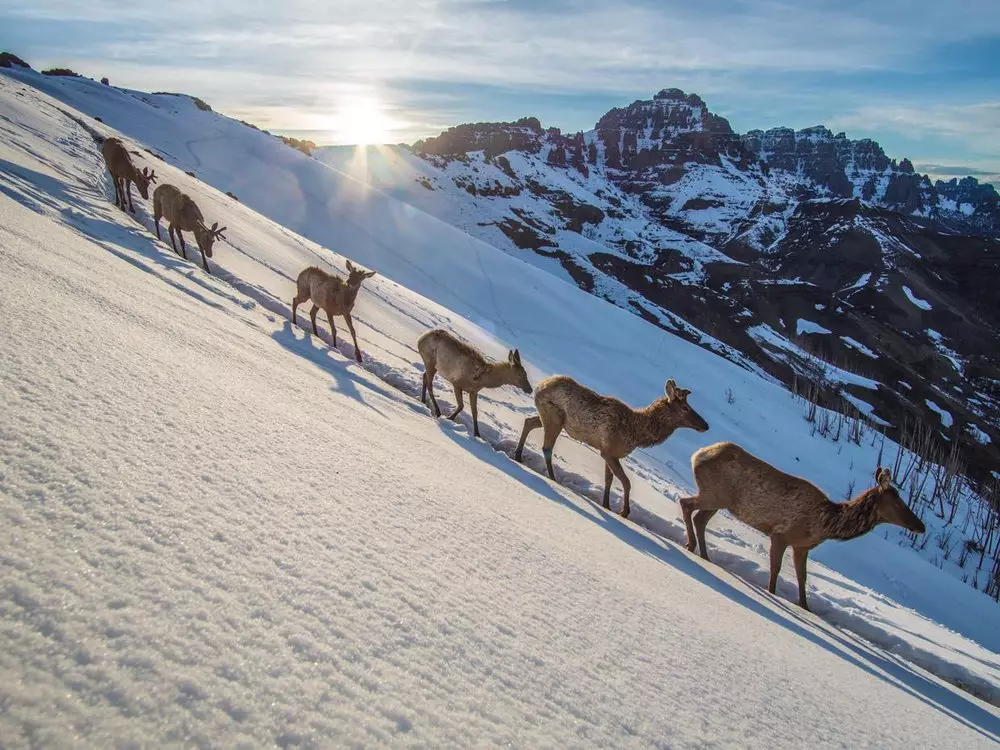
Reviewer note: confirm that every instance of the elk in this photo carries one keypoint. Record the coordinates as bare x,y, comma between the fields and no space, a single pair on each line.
791,511
183,214
124,173
611,426
333,294
467,370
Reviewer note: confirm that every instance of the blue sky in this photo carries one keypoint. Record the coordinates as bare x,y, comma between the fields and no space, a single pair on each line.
921,77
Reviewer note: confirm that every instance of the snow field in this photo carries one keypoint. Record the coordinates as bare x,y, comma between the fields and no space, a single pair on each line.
261,263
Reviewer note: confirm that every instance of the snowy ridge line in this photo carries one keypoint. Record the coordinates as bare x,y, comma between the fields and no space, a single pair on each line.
836,611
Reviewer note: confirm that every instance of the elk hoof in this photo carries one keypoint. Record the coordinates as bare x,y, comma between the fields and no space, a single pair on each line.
625,511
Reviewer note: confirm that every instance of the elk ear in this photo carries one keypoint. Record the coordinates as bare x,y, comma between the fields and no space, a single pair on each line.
670,389
517,357
510,356
215,226
350,266
370,274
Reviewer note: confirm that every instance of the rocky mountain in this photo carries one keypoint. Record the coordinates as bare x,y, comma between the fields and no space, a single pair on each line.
804,255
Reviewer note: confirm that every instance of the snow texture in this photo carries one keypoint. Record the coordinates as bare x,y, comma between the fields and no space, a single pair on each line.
946,419
917,302
217,530
808,326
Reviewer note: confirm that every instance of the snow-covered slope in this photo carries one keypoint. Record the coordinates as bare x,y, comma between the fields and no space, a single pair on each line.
216,528
663,210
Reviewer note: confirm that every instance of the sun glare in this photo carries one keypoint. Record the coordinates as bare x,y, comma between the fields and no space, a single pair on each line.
362,122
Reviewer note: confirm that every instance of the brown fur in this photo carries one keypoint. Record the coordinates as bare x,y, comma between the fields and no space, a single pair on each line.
611,426
792,511
467,370
183,214
124,173
332,294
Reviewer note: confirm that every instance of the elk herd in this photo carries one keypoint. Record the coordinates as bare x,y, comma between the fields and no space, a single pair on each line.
791,511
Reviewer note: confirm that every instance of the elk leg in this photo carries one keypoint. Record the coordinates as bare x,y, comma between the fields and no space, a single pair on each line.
333,328
800,555
128,192
354,336
204,261
120,191
461,404
688,507
295,306
616,467
474,405
551,429
608,479
180,236
701,519
530,423
778,547
429,375
312,317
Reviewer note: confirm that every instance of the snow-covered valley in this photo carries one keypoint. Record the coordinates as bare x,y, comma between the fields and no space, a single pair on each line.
218,530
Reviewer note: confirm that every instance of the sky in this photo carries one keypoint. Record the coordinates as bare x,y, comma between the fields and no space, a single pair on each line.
920,76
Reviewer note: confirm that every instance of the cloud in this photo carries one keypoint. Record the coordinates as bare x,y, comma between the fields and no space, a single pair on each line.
977,123
431,62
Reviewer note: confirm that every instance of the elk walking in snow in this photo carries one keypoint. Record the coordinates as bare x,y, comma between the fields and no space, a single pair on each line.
332,294
792,511
183,214
611,426
124,173
467,370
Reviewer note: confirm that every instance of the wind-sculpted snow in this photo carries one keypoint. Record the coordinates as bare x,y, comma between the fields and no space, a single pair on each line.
217,530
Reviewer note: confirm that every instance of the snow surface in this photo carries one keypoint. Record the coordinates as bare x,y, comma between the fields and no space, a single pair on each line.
855,344
808,326
216,529
977,434
917,302
946,419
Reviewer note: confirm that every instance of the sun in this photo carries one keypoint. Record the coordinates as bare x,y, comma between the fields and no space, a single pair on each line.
362,122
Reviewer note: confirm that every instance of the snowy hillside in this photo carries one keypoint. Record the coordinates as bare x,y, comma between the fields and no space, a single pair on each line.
665,211
217,529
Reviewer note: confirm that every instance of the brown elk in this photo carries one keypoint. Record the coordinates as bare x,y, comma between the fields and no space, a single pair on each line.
792,511
332,294
611,426
467,370
124,173
183,214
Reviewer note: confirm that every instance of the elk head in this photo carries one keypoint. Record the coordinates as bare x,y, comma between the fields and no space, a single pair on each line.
143,180
206,237
684,415
891,507
520,376
356,276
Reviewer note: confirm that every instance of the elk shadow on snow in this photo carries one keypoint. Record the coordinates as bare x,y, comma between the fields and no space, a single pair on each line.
45,195
872,660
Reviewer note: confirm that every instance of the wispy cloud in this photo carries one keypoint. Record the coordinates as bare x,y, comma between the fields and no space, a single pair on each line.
432,62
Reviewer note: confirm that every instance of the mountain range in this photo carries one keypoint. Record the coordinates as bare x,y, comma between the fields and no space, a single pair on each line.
812,258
